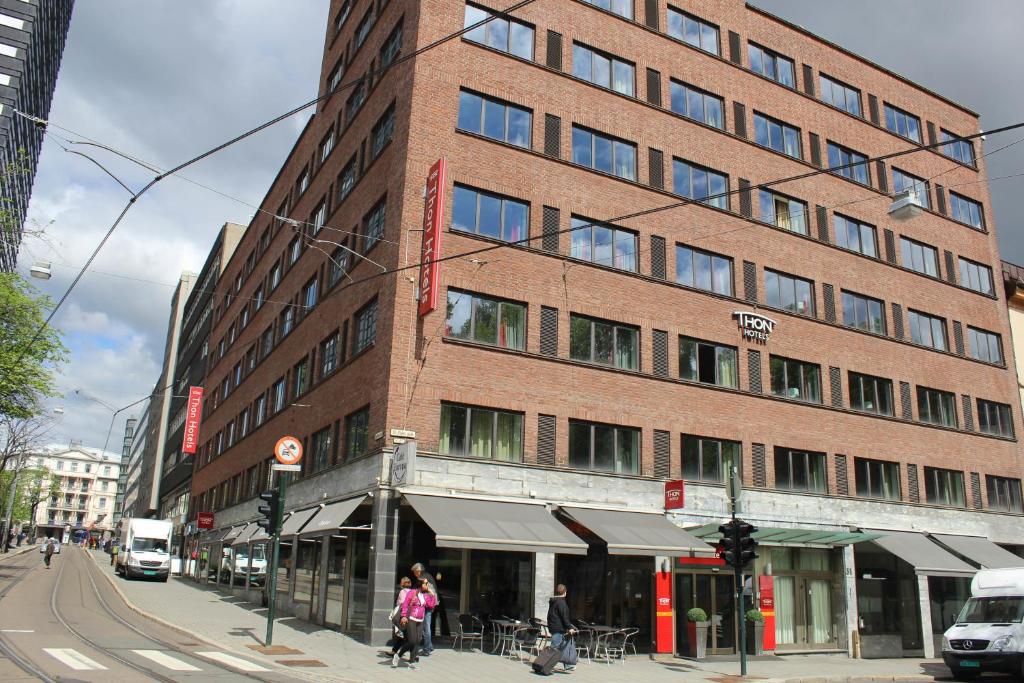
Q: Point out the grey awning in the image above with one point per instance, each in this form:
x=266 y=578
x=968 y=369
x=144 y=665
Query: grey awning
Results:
x=785 y=536
x=233 y=532
x=294 y=524
x=925 y=556
x=980 y=550
x=216 y=536
x=243 y=536
x=638 y=533
x=493 y=525
x=332 y=516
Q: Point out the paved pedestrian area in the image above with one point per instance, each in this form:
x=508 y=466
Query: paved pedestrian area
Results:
x=230 y=623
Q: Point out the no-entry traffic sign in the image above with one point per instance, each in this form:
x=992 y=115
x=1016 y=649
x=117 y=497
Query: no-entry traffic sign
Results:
x=288 y=450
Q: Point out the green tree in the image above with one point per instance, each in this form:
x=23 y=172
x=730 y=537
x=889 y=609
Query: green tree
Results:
x=26 y=366
x=35 y=485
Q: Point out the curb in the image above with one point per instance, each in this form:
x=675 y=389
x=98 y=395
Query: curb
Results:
x=895 y=678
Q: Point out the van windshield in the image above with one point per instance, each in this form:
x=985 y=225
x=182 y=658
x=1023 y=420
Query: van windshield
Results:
x=153 y=545
x=1003 y=609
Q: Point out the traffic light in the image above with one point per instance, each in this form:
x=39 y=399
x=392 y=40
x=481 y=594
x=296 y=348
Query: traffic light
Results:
x=746 y=544
x=271 y=511
x=737 y=545
x=728 y=544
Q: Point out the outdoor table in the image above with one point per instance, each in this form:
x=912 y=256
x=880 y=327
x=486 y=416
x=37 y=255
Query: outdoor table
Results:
x=504 y=628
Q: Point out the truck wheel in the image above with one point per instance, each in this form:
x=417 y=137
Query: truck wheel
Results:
x=963 y=674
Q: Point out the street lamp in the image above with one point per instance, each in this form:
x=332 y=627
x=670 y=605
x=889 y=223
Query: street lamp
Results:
x=40 y=270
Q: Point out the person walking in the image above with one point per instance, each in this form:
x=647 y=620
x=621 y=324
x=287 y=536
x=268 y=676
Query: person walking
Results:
x=405 y=585
x=415 y=607
x=113 y=553
x=48 y=553
x=420 y=573
x=560 y=626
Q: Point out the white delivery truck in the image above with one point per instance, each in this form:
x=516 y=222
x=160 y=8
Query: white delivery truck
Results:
x=145 y=548
x=989 y=633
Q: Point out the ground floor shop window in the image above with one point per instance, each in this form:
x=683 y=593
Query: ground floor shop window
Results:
x=284 y=565
x=948 y=595
x=359 y=583
x=715 y=594
x=805 y=588
x=307 y=566
x=887 y=602
x=614 y=590
x=500 y=584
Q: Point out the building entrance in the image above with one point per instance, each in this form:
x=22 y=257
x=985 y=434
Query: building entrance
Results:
x=713 y=593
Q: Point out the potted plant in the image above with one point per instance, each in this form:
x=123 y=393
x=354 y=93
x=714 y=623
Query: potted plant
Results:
x=755 y=632
x=697 y=628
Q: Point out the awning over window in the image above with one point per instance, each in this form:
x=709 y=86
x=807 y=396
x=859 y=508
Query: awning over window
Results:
x=792 y=537
x=332 y=516
x=243 y=537
x=297 y=520
x=925 y=556
x=980 y=550
x=233 y=533
x=638 y=533
x=493 y=525
x=216 y=536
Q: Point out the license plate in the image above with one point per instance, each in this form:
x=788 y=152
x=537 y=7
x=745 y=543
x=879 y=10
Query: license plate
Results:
x=970 y=664
x=149 y=573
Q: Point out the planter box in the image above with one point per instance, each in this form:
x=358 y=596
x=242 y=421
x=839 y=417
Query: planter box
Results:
x=698 y=632
x=755 y=638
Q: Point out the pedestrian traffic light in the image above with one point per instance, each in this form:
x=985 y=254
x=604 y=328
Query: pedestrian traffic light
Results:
x=746 y=544
x=271 y=511
x=729 y=544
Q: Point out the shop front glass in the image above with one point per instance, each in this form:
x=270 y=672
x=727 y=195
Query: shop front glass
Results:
x=227 y=565
x=337 y=556
x=500 y=584
x=804 y=586
x=417 y=544
x=307 y=565
x=284 y=565
x=255 y=562
x=358 y=583
x=888 y=610
x=713 y=593
x=213 y=569
x=612 y=590
x=948 y=596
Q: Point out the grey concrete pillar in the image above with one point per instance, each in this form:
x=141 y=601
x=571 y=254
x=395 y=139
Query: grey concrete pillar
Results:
x=383 y=556
x=851 y=622
x=543 y=583
x=925 y=603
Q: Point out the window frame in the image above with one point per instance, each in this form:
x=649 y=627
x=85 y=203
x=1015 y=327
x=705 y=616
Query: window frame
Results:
x=953 y=479
x=612 y=60
x=329 y=359
x=959 y=203
x=682 y=91
x=774 y=58
x=611 y=7
x=849 y=224
x=965 y=266
x=945 y=402
x=818 y=458
x=357 y=424
x=847 y=90
x=951 y=143
x=885 y=469
x=581 y=225
x=709 y=199
x=716 y=349
x=503 y=200
x=482 y=34
x=467 y=440
x=798 y=223
x=506 y=122
x=899 y=178
x=915 y=318
x=383 y=132
x=616 y=431
x=779 y=305
x=993 y=484
x=907 y=116
x=721 y=475
x=907 y=243
x=614 y=144
x=701 y=25
x=373 y=224
x=856 y=299
x=813 y=382
x=501 y=302
x=366 y=327
x=713 y=257
x=850 y=169
x=995 y=418
x=615 y=328
x=993 y=343
x=881 y=391
x=768 y=121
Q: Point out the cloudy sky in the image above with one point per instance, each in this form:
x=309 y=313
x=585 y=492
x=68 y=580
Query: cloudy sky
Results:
x=167 y=79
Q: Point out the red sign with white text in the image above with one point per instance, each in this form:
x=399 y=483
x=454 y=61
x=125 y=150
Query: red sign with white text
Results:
x=663 y=615
x=675 y=494
x=766 y=592
x=204 y=520
x=433 y=215
x=193 y=414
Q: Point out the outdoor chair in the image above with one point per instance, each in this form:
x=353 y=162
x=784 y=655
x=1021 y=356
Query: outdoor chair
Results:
x=584 y=642
x=613 y=646
x=468 y=628
x=630 y=642
x=525 y=640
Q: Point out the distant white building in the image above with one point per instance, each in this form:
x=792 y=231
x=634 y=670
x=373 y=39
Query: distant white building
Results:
x=88 y=486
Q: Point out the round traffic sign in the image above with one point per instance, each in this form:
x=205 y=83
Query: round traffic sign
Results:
x=288 y=450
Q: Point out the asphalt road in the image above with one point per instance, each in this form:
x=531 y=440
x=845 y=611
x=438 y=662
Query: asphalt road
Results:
x=67 y=623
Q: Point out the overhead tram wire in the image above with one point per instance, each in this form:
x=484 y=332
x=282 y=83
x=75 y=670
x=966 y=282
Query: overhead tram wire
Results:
x=238 y=138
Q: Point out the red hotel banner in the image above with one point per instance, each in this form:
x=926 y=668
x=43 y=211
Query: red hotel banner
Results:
x=193 y=413
x=433 y=216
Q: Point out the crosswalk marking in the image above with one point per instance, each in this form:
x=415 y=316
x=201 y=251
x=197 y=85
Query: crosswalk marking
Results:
x=165 y=660
x=235 y=662
x=76 y=660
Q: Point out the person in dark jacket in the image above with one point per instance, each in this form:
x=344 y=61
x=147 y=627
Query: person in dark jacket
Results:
x=559 y=623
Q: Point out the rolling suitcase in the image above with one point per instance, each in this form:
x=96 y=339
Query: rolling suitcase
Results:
x=545 y=662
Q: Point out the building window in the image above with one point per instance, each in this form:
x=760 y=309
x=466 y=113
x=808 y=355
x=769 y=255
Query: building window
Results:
x=309 y=295
x=300 y=376
x=955 y=148
x=870 y=394
x=944 y=487
x=789 y=293
x=707 y=362
x=275 y=276
x=775 y=134
x=373 y=225
x=366 y=326
x=347 y=179
x=321 y=443
x=795 y=379
x=355 y=100
x=902 y=123
x=877 y=479
x=709 y=460
x=326 y=146
x=237 y=373
x=624 y=8
x=278 y=392
x=904 y=181
x=985 y=346
x=603 y=153
x=486 y=320
x=800 y=470
x=357 y=433
x=840 y=95
x=995 y=418
x=338 y=265
x=928 y=330
x=976 y=276
x=771 y=65
x=267 y=342
x=500 y=33
x=334 y=80
x=231 y=434
x=260 y=410
x=391 y=47
x=696 y=104
x=864 y=313
x=604 y=448
x=605 y=244
x=783 y=212
x=225 y=388
x=1003 y=494
x=603 y=342
x=302 y=184
x=494 y=119
x=703 y=270
x=481 y=433
x=490 y=215
x=244 y=423
x=603 y=69
x=363 y=29
x=936 y=407
x=258 y=298
x=294 y=250
x=693 y=30
x=329 y=355
x=919 y=257
x=382 y=132
x=287 y=321
x=700 y=184
x=855 y=236
x=848 y=163
x=967 y=211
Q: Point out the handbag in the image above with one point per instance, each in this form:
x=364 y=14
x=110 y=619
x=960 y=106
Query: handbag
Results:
x=569 y=655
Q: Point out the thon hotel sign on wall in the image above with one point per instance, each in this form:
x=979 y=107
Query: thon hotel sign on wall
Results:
x=754 y=326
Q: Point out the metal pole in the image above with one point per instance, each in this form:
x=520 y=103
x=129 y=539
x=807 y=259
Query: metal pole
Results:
x=274 y=560
x=9 y=512
x=738 y=604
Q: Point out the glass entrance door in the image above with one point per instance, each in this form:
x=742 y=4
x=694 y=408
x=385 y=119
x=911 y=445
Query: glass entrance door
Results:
x=714 y=594
x=336 y=561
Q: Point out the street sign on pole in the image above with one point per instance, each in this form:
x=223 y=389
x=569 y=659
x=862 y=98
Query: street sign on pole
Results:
x=278 y=467
x=734 y=486
x=288 y=450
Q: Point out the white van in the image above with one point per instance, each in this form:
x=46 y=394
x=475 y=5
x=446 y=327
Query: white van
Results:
x=144 y=551
x=989 y=633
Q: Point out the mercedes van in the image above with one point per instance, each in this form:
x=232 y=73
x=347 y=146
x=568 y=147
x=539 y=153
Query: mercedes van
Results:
x=145 y=549
x=989 y=633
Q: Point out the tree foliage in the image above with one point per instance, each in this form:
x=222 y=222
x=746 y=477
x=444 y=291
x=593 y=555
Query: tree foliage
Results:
x=35 y=485
x=26 y=367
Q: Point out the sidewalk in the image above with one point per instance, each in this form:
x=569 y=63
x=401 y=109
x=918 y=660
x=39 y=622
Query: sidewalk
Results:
x=229 y=622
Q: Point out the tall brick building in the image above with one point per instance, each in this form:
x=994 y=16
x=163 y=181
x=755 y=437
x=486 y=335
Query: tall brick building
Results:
x=850 y=364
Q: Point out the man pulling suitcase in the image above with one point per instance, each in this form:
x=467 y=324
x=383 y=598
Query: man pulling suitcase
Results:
x=562 y=648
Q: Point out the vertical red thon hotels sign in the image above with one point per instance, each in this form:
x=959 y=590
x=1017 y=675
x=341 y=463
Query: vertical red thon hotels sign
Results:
x=193 y=413
x=433 y=215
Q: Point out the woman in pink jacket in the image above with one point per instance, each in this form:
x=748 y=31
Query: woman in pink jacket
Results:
x=414 y=610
